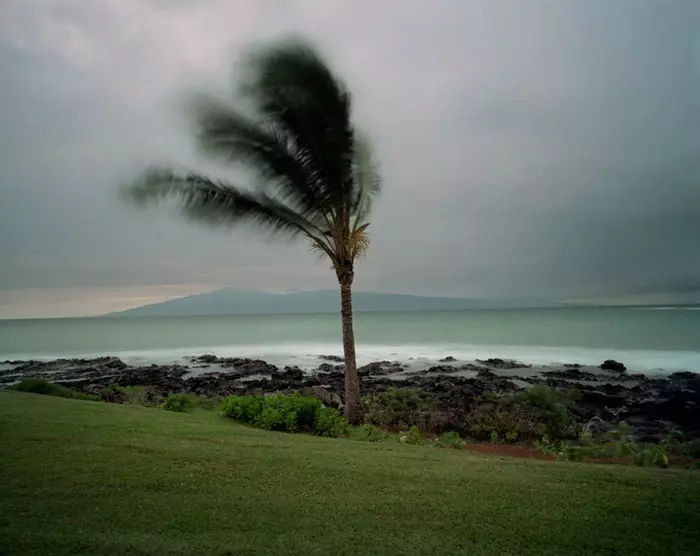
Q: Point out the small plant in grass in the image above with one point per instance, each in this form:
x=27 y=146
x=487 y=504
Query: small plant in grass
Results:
x=494 y=438
x=370 y=433
x=46 y=388
x=412 y=436
x=208 y=403
x=180 y=403
x=330 y=423
x=450 y=440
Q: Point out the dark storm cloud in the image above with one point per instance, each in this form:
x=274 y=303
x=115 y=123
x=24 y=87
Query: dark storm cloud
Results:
x=547 y=149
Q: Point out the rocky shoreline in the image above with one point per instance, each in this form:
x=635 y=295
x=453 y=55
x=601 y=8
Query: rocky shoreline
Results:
x=652 y=405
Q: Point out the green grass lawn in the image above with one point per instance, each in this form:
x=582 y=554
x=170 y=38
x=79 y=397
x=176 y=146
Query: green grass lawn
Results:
x=94 y=478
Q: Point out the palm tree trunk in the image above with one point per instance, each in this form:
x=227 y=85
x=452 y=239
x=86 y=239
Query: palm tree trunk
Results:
x=353 y=406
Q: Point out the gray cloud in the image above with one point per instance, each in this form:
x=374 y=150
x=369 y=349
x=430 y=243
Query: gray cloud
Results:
x=545 y=149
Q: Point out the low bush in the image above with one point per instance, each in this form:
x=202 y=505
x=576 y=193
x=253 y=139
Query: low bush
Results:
x=46 y=388
x=180 y=403
x=330 y=423
x=285 y=413
x=242 y=408
x=552 y=405
x=399 y=409
x=113 y=394
x=369 y=433
x=618 y=443
x=412 y=436
x=450 y=440
x=142 y=395
x=528 y=415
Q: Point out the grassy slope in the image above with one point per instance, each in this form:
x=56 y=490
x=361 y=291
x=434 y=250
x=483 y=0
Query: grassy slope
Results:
x=105 y=479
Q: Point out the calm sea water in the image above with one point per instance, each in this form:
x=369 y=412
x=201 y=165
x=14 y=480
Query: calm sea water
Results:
x=645 y=339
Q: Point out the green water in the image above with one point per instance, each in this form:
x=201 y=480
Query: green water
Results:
x=667 y=339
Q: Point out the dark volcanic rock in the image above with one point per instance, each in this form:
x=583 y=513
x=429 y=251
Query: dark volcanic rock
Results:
x=684 y=375
x=328 y=368
x=497 y=363
x=612 y=365
x=443 y=369
x=293 y=373
x=380 y=368
x=333 y=358
x=243 y=365
x=448 y=359
x=571 y=373
x=206 y=358
x=330 y=399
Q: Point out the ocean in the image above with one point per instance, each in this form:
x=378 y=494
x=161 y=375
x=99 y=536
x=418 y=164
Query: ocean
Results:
x=660 y=340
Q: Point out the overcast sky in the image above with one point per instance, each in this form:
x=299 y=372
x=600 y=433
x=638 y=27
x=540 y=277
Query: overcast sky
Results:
x=542 y=149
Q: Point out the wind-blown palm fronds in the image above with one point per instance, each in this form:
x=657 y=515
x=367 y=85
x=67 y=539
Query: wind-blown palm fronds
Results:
x=313 y=174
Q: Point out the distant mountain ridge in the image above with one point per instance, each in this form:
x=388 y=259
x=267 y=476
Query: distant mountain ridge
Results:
x=237 y=302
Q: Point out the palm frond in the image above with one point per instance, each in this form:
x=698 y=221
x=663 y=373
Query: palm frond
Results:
x=294 y=89
x=358 y=243
x=216 y=202
x=283 y=167
x=367 y=179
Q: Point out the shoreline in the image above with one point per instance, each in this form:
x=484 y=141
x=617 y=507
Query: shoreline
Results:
x=652 y=405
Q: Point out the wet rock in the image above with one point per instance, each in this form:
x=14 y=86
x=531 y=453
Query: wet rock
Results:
x=571 y=373
x=448 y=359
x=684 y=375
x=206 y=358
x=293 y=373
x=333 y=358
x=498 y=363
x=443 y=369
x=328 y=368
x=612 y=365
x=380 y=368
x=328 y=398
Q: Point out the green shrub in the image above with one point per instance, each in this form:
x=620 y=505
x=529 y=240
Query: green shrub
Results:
x=114 y=394
x=179 y=403
x=285 y=413
x=369 y=433
x=689 y=449
x=330 y=423
x=494 y=438
x=399 y=408
x=243 y=408
x=36 y=386
x=412 y=436
x=450 y=440
x=552 y=405
x=530 y=414
x=288 y=413
x=142 y=395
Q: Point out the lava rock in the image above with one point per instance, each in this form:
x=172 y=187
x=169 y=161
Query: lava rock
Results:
x=612 y=365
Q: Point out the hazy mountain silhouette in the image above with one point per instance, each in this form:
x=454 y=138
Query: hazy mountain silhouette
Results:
x=233 y=302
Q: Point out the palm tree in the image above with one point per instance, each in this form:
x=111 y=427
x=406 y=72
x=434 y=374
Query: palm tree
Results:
x=313 y=175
